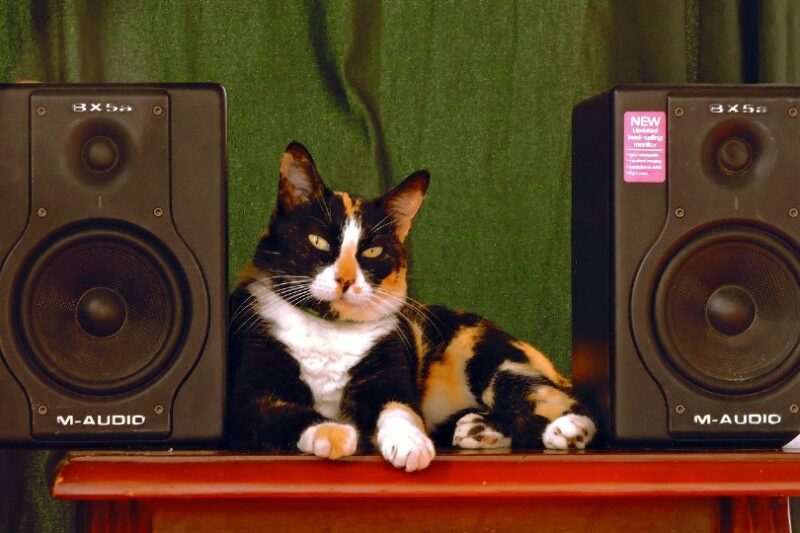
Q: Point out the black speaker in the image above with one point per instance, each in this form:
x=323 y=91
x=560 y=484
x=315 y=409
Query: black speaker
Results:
x=686 y=263
x=112 y=263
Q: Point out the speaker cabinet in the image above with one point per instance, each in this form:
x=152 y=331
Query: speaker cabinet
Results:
x=686 y=263
x=112 y=263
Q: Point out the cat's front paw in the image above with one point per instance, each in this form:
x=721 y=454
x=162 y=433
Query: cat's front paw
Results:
x=329 y=440
x=402 y=442
x=407 y=448
x=570 y=431
x=474 y=432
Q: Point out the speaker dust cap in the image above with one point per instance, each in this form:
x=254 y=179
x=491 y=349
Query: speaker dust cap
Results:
x=102 y=310
x=727 y=310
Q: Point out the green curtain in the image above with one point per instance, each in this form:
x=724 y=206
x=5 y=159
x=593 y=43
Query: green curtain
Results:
x=479 y=93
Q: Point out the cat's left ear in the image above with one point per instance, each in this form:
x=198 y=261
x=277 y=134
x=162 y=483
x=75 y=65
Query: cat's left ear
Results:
x=299 y=180
x=403 y=201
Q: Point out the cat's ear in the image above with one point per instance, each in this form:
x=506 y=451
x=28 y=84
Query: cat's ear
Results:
x=300 y=182
x=403 y=202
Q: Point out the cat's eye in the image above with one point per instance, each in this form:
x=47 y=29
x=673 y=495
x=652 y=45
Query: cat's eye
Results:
x=372 y=253
x=318 y=242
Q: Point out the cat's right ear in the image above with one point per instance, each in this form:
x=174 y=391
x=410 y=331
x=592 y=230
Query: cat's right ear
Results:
x=300 y=182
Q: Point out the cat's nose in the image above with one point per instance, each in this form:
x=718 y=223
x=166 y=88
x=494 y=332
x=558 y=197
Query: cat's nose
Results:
x=344 y=283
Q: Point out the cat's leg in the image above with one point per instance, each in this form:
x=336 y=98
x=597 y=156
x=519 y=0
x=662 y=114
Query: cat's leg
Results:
x=272 y=424
x=329 y=440
x=536 y=411
x=478 y=431
x=266 y=422
x=401 y=438
x=472 y=428
x=272 y=409
x=382 y=400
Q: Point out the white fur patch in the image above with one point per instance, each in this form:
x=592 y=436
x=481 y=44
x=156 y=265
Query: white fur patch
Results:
x=325 y=287
x=402 y=442
x=569 y=431
x=473 y=432
x=326 y=350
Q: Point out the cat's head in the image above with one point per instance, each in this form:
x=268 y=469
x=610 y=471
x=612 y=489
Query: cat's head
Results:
x=334 y=253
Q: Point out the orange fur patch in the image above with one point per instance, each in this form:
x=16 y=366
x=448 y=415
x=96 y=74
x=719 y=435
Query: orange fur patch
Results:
x=446 y=389
x=269 y=402
x=541 y=363
x=550 y=402
x=350 y=206
x=396 y=282
x=347 y=265
x=420 y=344
x=248 y=274
x=488 y=395
x=336 y=435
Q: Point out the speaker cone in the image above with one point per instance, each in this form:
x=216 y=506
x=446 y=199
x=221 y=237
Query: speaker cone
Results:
x=101 y=310
x=727 y=310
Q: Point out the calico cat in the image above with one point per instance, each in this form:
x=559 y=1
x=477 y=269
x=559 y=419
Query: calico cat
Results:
x=329 y=354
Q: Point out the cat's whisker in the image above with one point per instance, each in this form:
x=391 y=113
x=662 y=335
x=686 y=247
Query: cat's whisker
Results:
x=295 y=283
x=291 y=293
x=383 y=309
x=322 y=223
x=325 y=208
x=385 y=221
x=416 y=307
x=242 y=309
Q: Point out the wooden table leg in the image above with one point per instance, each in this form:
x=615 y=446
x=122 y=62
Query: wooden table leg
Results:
x=763 y=514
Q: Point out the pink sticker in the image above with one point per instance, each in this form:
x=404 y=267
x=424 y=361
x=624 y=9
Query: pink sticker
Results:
x=645 y=147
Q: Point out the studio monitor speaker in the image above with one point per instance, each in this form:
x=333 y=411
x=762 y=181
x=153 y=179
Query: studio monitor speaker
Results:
x=686 y=262
x=112 y=263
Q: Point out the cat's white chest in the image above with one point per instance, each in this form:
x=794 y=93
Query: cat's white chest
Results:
x=326 y=351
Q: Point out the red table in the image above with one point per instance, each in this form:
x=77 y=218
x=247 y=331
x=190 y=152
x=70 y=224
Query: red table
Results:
x=593 y=491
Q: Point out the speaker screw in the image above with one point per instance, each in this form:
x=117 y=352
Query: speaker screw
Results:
x=158 y=212
x=680 y=409
x=680 y=212
x=41 y=212
x=794 y=408
x=793 y=212
x=42 y=409
x=158 y=110
x=158 y=409
x=679 y=111
x=793 y=112
x=41 y=110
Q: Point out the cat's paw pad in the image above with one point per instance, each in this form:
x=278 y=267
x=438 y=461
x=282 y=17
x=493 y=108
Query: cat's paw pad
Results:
x=473 y=432
x=570 y=431
x=405 y=446
x=329 y=440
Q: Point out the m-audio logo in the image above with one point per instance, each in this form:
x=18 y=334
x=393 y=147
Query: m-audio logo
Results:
x=746 y=419
x=101 y=420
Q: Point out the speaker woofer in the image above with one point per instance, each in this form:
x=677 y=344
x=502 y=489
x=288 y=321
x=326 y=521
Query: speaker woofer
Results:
x=102 y=310
x=727 y=310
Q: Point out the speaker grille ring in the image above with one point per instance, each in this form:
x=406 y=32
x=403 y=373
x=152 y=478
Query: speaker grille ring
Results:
x=762 y=271
x=113 y=260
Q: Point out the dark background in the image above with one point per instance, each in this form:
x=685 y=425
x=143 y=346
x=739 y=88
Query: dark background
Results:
x=479 y=93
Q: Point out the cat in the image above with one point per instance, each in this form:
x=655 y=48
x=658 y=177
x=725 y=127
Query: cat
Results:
x=329 y=354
